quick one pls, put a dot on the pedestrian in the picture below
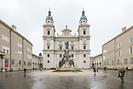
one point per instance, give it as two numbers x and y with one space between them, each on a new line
121 74
94 70
40 67
97 69
105 69
25 70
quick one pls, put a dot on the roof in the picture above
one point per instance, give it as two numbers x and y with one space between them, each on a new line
5 24
119 35
49 18
83 17
98 55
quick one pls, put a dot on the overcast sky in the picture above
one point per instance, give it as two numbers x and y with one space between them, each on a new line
106 18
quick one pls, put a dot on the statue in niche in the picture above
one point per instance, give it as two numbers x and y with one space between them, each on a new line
67 45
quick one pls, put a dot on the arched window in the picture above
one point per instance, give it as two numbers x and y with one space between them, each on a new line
84 47
84 55
72 55
84 32
48 32
60 55
48 55
72 47
60 47
48 61
48 47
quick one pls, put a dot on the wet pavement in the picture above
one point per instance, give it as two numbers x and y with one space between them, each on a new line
54 80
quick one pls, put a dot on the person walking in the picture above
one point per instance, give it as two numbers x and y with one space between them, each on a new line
25 70
121 74
94 70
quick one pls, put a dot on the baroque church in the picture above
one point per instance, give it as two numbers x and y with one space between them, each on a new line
54 45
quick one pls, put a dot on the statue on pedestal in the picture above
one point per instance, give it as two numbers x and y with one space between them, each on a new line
66 57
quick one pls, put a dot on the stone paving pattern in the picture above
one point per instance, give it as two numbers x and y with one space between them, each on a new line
53 80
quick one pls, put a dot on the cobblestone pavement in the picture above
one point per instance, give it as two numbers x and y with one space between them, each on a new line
53 80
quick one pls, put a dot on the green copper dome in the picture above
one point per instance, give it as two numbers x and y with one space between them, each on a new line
83 17
49 17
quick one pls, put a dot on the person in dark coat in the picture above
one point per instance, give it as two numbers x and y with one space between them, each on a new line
25 70
121 74
94 70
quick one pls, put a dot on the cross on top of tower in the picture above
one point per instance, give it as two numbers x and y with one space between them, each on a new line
49 12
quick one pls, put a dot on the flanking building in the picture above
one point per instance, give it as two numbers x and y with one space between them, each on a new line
15 49
98 61
54 45
36 61
118 52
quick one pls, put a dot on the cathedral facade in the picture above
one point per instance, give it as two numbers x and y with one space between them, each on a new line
54 45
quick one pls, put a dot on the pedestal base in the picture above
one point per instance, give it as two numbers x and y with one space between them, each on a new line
67 69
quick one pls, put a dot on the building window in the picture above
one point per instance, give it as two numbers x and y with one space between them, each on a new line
84 47
48 32
125 61
130 40
131 60
130 50
119 53
84 55
112 62
84 61
19 62
5 38
48 61
7 51
71 47
24 63
13 62
118 62
19 45
29 63
60 55
104 51
72 55
4 50
48 47
84 32
118 45
48 55
60 47
6 61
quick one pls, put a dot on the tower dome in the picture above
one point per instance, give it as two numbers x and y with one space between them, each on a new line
83 17
49 18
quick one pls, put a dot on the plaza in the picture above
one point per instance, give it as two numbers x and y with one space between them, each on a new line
66 44
65 80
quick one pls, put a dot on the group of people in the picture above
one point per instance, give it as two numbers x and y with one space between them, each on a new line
121 72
